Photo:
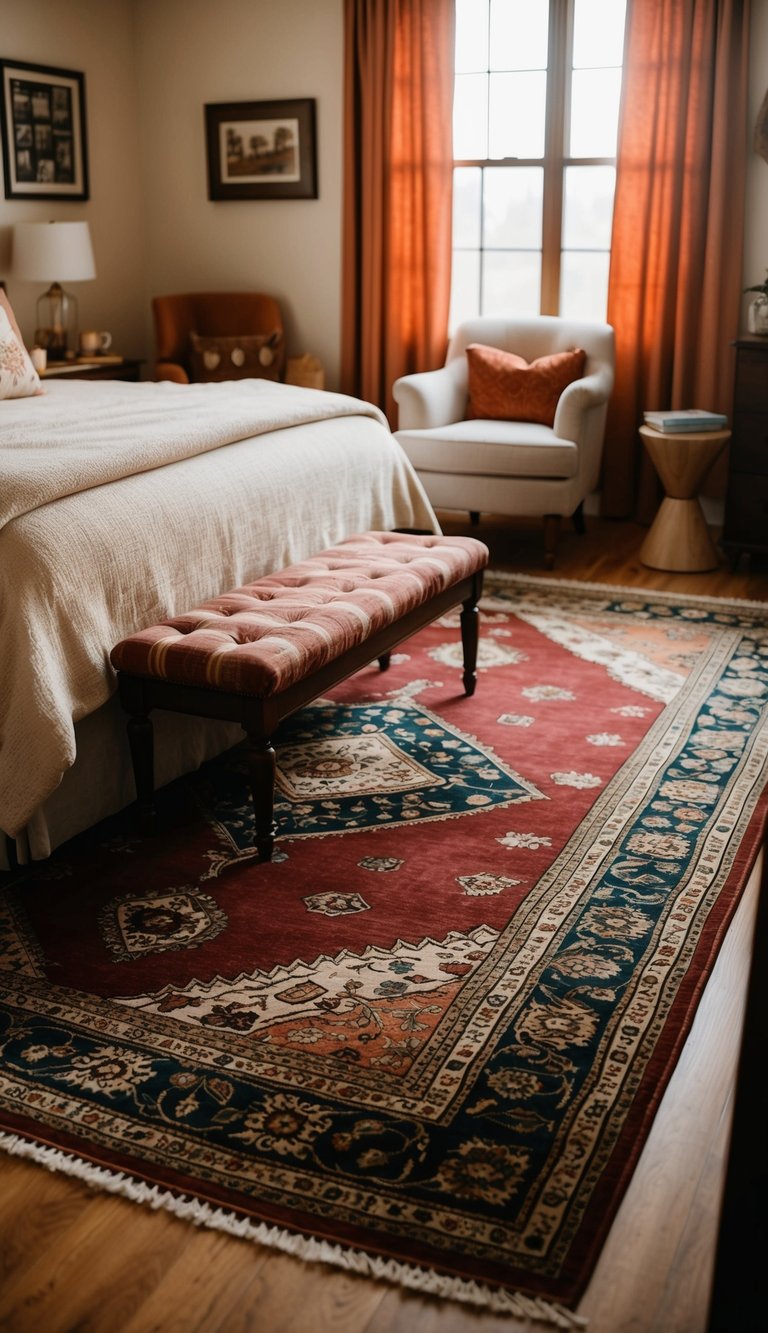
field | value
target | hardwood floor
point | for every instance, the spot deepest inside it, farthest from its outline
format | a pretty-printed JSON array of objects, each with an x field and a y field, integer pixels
[{"x": 71, "y": 1259}]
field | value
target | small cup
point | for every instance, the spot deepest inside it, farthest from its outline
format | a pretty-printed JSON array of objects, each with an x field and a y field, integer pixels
[
  {"x": 93, "y": 342},
  {"x": 39, "y": 359}
]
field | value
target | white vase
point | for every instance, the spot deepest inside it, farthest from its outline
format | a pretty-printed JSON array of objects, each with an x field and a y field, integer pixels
[{"x": 757, "y": 317}]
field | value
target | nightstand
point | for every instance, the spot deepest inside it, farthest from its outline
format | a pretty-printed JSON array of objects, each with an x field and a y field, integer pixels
[
  {"x": 126, "y": 368},
  {"x": 679, "y": 539},
  {"x": 745, "y": 526}
]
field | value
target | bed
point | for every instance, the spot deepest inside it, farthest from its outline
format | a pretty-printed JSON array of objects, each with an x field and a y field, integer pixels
[{"x": 123, "y": 503}]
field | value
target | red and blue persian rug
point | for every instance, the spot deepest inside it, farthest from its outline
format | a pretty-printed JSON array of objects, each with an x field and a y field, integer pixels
[{"x": 427, "y": 1040}]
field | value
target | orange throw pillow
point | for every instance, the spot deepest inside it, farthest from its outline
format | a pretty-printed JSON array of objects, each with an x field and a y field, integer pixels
[{"x": 504, "y": 387}]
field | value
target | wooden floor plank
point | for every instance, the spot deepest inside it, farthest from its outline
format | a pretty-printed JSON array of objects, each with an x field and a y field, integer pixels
[
  {"x": 34, "y": 1207},
  {"x": 345, "y": 1304},
  {"x": 220, "y": 1277},
  {"x": 75, "y": 1280}
]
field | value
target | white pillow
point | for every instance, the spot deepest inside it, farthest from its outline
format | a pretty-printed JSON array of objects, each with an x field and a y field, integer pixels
[{"x": 18, "y": 377}]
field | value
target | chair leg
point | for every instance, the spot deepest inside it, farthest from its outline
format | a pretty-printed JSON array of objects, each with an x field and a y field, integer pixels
[
  {"x": 551, "y": 534},
  {"x": 578, "y": 519},
  {"x": 474, "y": 517}
]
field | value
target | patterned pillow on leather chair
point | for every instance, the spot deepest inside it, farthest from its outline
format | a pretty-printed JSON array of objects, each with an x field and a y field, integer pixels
[{"x": 242, "y": 356}]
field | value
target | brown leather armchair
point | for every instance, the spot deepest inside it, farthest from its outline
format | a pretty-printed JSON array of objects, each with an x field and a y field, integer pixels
[{"x": 212, "y": 314}]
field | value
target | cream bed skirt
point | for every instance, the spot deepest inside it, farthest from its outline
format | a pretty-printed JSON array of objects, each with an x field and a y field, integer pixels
[{"x": 100, "y": 782}]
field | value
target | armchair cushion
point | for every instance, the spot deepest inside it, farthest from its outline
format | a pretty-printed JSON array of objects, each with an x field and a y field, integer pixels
[
  {"x": 244, "y": 356},
  {"x": 505, "y": 387},
  {"x": 491, "y": 449}
]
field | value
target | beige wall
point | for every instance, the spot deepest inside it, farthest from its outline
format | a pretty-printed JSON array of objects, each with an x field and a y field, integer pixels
[
  {"x": 150, "y": 66},
  {"x": 97, "y": 38},
  {"x": 190, "y": 52}
]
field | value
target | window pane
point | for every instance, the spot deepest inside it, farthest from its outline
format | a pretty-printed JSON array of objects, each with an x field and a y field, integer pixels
[
  {"x": 595, "y": 112},
  {"x": 517, "y": 111},
  {"x": 511, "y": 283},
  {"x": 470, "y": 116},
  {"x": 467, "y": 182},
  {"x": 583, "y": 285},
  {"x": 519, "y": 32},
  {"x": 465, "y": 287},
  {"x": 502, "y": 49},
  {"x": 512, "y": 205},
  {"x": 471, "y": 35},
  {"x": 598, "y": 33},
  {"x": 588, "y": 207}
]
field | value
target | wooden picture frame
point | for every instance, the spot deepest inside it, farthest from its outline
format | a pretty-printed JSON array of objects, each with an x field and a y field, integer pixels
[
  {"x": 42, "y": 123},
  {"x": 261, "y": 150}
]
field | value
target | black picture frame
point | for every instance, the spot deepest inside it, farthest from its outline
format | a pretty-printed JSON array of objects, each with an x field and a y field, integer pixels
[
  {"x": 43, "y": 130},
  {"x": 262, "y": 150}
]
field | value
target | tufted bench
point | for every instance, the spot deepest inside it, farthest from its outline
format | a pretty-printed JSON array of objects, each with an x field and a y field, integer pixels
[{"x": 256, "y": 654}]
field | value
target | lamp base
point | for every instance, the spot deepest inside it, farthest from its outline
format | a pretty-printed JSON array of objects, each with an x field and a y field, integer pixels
[
  {"x": 56, "y": 322},
  {"x": 54, "y": 342}
]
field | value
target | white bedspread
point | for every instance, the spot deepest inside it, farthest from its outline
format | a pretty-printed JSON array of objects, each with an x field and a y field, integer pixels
[
  {"x": 123, "y": 503},
  {"x": 75, "y": 436}
]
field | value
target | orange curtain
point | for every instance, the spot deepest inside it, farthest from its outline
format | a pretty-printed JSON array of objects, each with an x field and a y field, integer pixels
[
  {"x": 675, "y": 279},
  {"x": 398, "y": 164}
]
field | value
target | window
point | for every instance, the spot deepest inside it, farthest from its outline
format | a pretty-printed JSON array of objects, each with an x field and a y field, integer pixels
[{"x": 536, "y": 106}]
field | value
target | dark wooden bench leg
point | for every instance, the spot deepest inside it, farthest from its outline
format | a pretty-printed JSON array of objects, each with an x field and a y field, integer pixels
[
  {"x": 141, "y": 741},
  {"x": 261, "y": 770},
  {"x": 135, "y": 701},
  {"x": 470, "y": 626},
  {"x": 384, "y": 661}
]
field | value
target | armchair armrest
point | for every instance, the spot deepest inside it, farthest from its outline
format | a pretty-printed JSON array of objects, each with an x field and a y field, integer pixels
[
  {"x": 433, "y": 397},
  {"x": 577, "y": 398},
  {"x": 170, "y": 370}
]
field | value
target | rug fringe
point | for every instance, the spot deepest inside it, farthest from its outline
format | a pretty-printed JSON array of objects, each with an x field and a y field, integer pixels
[{"x": 303, "y": 1247}]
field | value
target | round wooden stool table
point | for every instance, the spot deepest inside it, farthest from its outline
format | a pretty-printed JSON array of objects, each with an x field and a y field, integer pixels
[{"x": 678, "y": 539}]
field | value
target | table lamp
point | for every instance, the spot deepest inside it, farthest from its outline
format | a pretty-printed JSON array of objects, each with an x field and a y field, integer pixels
[{"x": 54, "y": 252}]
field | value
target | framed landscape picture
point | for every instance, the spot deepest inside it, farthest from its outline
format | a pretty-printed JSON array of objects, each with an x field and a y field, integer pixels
[
  {"x": 261, "y": 150},
  {"x": 42, "y": 121}
]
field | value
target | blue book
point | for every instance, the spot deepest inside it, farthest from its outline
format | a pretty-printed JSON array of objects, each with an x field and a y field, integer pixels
[{"x": 691, "y": 419}]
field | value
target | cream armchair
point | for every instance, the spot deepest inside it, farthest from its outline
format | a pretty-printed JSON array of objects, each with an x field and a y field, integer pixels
[{"x": 510, "y": 467}]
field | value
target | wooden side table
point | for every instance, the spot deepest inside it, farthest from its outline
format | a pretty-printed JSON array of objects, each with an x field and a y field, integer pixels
[
  {"x": 678, "y": 539},
  {"x": 127, "y": 368}
]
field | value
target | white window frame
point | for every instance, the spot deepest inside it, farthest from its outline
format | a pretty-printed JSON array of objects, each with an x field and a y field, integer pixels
[{"x": 554, "y": 162}]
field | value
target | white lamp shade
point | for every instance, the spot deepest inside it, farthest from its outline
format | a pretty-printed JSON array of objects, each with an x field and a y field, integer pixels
[{"x": 52, "y": 252}]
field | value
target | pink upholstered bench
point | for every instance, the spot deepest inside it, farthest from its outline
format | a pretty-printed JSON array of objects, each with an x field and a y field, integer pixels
[{"x": 258, "y": 653}]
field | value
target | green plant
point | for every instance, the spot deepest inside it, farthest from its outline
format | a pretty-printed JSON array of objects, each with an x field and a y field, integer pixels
[{"x": 761, "y": 286}]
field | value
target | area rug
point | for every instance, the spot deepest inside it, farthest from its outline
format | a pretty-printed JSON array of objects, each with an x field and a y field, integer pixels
[{"x": 426, "y": 1042}]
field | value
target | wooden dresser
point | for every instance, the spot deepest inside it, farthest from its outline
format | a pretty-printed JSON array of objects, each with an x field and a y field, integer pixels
[{"x": 745, "y": 527}]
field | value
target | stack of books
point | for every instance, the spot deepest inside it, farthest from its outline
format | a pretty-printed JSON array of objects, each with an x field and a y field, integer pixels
[{"x": 687, "y": 419}]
